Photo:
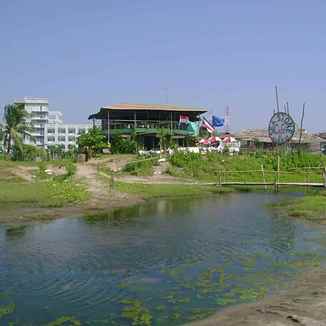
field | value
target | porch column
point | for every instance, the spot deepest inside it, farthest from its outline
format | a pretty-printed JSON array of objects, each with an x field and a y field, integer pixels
[{"x": 108, "y": 127}]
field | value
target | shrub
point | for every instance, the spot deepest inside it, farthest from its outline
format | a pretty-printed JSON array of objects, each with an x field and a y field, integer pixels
[
  {"x": 120, "y": 145},
  {"x": 28, "y": 153},
  {"x": 141, "y": 167},
  {"x": 70, "y": 168}
]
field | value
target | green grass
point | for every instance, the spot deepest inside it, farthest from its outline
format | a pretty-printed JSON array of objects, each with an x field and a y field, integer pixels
[
  {"x": 141, "y": 166},
  {"x": 167, "y": 190},
  {"x": 310, "y": 207},
  {"x": 42, "y": 193},
  {"x": 248, "y": 167}
]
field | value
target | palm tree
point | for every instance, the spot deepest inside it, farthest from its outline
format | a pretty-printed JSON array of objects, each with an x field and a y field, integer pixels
[{"x": 15, "y": 126}]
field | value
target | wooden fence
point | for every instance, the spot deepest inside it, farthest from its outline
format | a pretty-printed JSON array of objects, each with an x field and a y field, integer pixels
[{"x": 303, "y": 177}]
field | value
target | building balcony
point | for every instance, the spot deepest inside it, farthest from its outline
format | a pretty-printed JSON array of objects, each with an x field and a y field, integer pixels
[
  {"x": 40, "y": 119},
  {"x": 118, "y": 127}
]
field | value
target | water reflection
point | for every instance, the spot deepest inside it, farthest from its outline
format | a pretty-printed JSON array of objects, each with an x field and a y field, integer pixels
[{"x": 282, "y": 234}]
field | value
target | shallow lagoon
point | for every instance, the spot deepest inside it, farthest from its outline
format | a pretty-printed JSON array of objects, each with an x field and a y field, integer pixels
[{"x": 163, "y": 263}]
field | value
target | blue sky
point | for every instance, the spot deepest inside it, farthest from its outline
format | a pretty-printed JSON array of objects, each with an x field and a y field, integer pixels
[{"x": 84, "y": 54}]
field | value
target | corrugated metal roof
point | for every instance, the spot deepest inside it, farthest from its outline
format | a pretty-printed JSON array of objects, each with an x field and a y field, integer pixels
[
  {"x": 261, "y": 135},
  {"x": 154, "y": 107}
]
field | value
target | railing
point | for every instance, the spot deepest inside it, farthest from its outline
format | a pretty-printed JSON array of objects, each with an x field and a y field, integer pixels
[
  {"x": 146, "y": 124},
  {"x": 305, "y": 176}
]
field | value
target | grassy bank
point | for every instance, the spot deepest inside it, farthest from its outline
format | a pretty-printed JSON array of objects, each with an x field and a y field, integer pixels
[
  {"x": 26, "y": 184},
  {"x": 49, "y": 193},
  {"x": 310, "y": 207},
  {"x": 167, "y": 190},
  {"x": 255, "y": 167}
]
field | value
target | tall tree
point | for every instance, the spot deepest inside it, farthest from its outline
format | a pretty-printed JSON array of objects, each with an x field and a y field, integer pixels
[
  {"x": 15, "y": 126},
  {"x": 94, "y": 141}
]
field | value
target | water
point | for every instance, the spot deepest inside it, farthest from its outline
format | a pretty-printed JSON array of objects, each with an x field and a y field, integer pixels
[{"x": 168, "y": 262}]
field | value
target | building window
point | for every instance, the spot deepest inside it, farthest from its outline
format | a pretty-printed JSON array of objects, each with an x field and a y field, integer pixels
[
  {"x": 62, "y": 138},
  {"x": 62, "y": 130},
  {"x": 51, "y": 131},
  {"x": 51, "y": 138},
  {"x": 81, "y": 131},
  {"x": 71, "y": 130},
  {"x": 72, "y": 138}
]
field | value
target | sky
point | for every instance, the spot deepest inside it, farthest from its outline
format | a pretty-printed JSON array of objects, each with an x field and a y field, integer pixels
[{"x": 83, "y": 54}]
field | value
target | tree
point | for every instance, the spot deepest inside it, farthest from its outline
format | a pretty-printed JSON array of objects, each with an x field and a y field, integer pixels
[
  {"x": 56, "y": 152},
  {"x": 94, "y": 141},
  {"x": 165, "y": 139},
  {"x": 15, "y": 126}
]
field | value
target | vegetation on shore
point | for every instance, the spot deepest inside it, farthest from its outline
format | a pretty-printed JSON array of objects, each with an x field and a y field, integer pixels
[
  {"x": 43, "y": 190},
  {"x": 310, "y": 207},
  {"x": 168, "y": 190},
  {"x": 258, "y": 166}
]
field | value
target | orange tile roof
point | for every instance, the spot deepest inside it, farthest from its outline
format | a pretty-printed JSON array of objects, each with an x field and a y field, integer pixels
[{"x": 154, "y": 107}]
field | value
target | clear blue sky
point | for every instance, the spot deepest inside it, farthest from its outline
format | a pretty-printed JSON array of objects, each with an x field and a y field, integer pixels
[{"x": 84, "y": 54}]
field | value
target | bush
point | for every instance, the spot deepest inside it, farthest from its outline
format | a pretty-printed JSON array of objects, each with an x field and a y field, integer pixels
[
  {"x": 141, "y": 167},
  {"x": 28, "y": 153},
  {"x": 120, "y": 145},
  {"x": 70, "y": 168}
]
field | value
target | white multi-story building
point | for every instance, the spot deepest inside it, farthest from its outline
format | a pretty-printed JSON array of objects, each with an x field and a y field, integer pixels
[
  {"x": 48, "y": 127},
  {"x": 64, "y": 135},
  {"x": 38, "y": 110}
]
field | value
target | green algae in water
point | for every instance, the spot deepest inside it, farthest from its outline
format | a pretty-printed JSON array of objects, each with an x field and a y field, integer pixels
[
  {"x": 65, "y": 321},
  {"x": 15, "y": 230},
  {"x": 136, "y": 313},
  {"x": 7, "y": 310},
  {"x": 198, "y": 314}
]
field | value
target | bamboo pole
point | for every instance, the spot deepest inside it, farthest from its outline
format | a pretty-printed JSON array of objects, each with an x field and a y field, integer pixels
[
  {"x": 264, "y": 179},
  {"x": 301, "y": 124},
  {"x": 277, "y": 102},
  {"x": 108, "y": 127},
  {"x": 277, "y": 178}
]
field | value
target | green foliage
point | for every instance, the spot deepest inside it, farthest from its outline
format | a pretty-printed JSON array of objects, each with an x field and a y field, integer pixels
[
  {"x": 49, "y": 193},
  {"x": 65, "y": 321},
  {"x": 28, "y": 153},
  {"x": 141, "y": 167},
  {"x": 168, "y": 190},
  {"x": 41, "y": 170},
  {"x": 247, "y": 166},
  {"x": 56, "y": 152},
  {"x": 136, "y": 313},
  {"x": 15, "y": 126},
  {"x": 310, "y": 207},
  {"x": 165, "y": 139},
  {"x": 7, "y": 310},
  {"x": 70, "y": 168},
  {"x": 122, "y": 145},
  {"x": 94, "y": 141}
]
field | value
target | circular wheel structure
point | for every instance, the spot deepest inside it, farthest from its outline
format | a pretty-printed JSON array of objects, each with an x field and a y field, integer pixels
[{"x": 281, "y": 128}]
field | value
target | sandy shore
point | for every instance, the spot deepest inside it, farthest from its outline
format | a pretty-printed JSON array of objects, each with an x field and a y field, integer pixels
[{"x": 303, "y": 303}]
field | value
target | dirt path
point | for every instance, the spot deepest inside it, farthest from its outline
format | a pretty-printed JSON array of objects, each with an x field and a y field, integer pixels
[
  {"x": 97, "y": 189},
  {"x": 303, "y": 304},
  {"x": 101, "y": 196}
]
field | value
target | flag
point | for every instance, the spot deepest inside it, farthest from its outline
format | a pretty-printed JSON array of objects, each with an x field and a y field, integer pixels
[
  {"x": 217, "y": 122},
  {"x": 183, "y": 118},
  {"x": 206, "y": 124},
  {"x": 193, "y": 127}
]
